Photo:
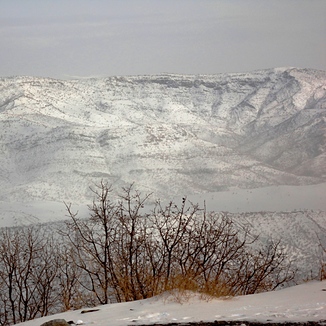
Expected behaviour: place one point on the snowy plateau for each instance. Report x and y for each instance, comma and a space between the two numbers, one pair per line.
242, 142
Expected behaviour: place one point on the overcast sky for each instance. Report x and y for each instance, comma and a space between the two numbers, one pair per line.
82, 38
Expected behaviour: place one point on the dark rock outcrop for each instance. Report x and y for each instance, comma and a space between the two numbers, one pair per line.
56, 322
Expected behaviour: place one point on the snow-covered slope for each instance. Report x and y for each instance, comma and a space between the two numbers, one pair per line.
172, 135
302, 303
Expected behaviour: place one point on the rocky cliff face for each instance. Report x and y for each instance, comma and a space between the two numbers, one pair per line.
170, 134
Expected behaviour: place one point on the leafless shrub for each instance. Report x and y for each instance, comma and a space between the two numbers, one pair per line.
129, 255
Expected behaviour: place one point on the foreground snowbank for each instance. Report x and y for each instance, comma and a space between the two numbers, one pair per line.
306, 302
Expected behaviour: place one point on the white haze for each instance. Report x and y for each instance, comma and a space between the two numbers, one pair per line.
75, 38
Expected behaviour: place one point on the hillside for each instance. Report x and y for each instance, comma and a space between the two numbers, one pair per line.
172, 135
300, 305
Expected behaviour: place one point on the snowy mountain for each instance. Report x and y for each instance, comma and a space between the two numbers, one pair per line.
172, 135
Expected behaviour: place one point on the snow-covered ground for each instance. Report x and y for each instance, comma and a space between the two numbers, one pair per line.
306, 302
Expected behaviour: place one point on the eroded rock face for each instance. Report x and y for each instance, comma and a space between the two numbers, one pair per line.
56, 322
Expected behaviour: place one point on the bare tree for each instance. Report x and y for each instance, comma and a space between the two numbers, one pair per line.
263, 269
132, 228
107, 245
28, 269
69, 278
128, 255
216, 246
171, 226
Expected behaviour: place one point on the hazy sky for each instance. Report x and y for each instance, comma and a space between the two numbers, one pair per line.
70, 38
